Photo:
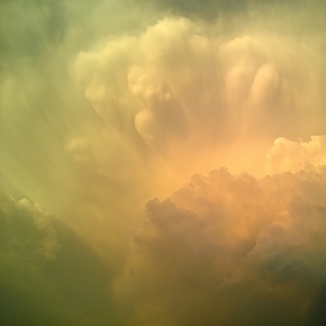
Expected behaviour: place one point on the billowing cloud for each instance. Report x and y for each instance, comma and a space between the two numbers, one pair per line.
180, 87
230, 250
105, 105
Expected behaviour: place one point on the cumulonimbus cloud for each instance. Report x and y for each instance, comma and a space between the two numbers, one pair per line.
120, 104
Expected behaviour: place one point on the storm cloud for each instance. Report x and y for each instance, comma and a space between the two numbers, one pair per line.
162, 162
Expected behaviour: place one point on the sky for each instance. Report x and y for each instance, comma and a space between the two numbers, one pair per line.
162, 162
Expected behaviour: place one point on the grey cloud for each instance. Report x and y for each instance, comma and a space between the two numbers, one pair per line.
48, 275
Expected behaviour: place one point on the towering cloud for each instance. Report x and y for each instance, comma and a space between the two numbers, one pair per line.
106, 105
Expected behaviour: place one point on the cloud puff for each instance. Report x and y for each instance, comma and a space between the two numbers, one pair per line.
286, 155
229, 250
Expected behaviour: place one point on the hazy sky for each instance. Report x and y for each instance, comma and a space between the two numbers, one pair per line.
162, 163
